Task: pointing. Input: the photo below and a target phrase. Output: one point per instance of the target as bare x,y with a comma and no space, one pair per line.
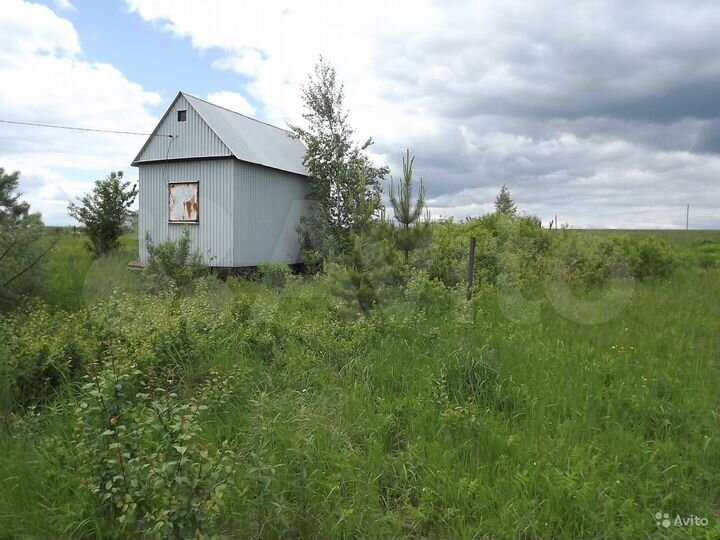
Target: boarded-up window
183,203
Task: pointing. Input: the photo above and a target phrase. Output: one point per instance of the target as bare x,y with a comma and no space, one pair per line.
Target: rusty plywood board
183,202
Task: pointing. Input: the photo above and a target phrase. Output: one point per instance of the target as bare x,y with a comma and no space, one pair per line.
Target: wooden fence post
471,269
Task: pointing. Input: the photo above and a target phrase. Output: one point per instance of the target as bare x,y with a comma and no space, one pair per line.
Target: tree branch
12,245
37,260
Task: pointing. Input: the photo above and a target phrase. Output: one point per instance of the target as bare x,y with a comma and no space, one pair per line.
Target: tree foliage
368,263
103,212
21,241
408,211
335,164
504,203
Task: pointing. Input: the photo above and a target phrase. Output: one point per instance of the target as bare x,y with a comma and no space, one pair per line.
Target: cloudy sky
606,113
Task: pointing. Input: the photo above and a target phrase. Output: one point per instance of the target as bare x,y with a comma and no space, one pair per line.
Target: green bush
141,453
41,352
427,294
135,374
709,255
577,258
274,275
496,236
174,261
446,257
25,244
654,259
650,257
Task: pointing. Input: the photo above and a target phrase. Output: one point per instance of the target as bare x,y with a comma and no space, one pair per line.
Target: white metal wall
268,205
213,234
192,138
248,214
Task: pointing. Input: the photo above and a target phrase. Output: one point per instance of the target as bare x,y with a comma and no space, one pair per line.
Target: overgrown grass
440,419
72,278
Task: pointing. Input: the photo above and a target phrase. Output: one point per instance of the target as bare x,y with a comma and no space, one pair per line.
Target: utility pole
687,218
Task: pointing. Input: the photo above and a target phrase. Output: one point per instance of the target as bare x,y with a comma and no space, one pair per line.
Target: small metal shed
236,183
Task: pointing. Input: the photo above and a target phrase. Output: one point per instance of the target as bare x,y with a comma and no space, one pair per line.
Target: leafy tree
334,163
504,203
407,212
364,205
103,212
22,241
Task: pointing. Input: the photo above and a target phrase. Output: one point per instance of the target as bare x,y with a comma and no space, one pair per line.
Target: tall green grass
72,278
449,421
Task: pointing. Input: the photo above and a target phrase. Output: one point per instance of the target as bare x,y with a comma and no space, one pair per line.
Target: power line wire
34,124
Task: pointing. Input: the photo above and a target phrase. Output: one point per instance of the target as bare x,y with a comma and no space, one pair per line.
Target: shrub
41,351
141,454
274,275
585,260
425,293
447,257
241,308
174,261
709,255
654,259
650,257
443,259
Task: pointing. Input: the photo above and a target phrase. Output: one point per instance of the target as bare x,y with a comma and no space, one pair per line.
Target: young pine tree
504,203
408,211
363,271
370,262
23,242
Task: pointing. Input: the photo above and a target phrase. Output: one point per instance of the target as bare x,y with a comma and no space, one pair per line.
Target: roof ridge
235,112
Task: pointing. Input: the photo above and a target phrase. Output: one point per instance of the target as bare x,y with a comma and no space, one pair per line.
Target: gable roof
245,138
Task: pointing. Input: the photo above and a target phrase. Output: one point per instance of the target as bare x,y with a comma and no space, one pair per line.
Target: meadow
276,408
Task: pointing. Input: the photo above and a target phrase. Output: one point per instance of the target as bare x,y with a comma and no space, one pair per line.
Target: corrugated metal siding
213,235
268,206
251,140
193,138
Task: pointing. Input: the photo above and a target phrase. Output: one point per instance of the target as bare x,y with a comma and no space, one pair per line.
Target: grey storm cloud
708,139
578,106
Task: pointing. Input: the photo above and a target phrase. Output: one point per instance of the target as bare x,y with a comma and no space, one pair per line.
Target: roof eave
137,163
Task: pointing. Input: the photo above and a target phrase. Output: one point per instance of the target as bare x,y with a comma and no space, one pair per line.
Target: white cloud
233,101
27,28
64,5
587,110
246,62
46,80
278,43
